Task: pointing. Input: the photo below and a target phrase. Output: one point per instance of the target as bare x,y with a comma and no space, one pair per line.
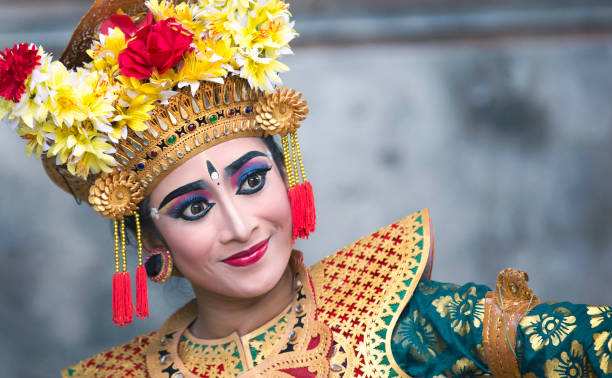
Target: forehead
195,168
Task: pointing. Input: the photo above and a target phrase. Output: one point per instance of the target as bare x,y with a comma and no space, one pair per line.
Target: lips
248,256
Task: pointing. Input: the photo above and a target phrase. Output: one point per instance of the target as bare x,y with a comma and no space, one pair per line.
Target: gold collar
293,341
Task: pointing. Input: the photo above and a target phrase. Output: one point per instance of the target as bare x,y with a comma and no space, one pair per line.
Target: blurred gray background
495,115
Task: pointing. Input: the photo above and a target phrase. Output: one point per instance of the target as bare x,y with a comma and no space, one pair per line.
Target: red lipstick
248,256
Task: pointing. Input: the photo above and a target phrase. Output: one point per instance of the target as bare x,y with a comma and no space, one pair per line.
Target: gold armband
504,308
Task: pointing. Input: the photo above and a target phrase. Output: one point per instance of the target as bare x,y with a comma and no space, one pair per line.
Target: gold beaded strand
138,237
296,147
296,179
116,246
123,245
288,164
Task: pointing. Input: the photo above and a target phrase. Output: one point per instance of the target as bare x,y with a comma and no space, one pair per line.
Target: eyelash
259,171
178,212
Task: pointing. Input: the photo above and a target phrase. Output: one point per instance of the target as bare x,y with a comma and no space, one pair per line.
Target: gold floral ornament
116,195
281,112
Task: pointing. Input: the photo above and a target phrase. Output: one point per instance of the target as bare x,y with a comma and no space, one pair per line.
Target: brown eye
253,181
195,209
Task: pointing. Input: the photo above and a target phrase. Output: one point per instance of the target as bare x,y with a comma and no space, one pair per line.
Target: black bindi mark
214,175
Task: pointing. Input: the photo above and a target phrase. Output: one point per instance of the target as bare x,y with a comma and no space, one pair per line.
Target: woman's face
226,219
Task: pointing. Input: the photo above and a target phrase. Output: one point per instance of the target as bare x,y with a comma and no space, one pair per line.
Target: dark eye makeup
190,206
252,180
192,201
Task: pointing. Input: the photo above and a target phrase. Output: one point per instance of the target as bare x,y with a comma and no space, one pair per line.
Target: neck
218,317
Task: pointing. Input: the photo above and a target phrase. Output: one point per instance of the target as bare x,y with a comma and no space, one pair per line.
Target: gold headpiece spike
194,104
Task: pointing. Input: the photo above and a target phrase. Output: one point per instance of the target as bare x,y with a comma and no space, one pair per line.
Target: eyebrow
238,163
196,185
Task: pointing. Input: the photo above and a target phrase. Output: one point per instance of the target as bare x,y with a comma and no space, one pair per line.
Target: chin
262,280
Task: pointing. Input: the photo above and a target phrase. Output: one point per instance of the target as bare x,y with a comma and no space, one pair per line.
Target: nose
236,225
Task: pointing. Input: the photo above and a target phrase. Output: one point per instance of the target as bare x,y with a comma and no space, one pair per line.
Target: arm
450,330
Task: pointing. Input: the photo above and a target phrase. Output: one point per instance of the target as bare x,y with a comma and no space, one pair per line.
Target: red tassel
122,299
128,305
117,293
301,198
142,302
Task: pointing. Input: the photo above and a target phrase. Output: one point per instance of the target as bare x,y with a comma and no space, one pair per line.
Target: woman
203,187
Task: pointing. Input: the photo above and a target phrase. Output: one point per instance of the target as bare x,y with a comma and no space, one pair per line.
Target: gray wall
497,124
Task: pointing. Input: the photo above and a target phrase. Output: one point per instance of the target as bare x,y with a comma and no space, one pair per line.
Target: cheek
186,242
275,202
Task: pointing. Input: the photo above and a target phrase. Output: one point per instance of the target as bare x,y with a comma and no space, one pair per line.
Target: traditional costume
141,89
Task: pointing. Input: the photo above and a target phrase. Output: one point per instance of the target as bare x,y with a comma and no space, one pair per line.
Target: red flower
156,46
125,24
16,65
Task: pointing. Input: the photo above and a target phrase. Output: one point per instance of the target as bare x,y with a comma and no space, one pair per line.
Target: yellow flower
134,115
140,87
82,150
161,9
240,7
37,137
276,34
209,65
464,311
216,49
218,19
548,329
261,73
266,25
98,98
574,364
93,155
603,349
66,105
599,314
105,52
29,111
186,14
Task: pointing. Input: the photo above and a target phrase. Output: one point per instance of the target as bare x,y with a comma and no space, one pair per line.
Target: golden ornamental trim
281,112
116,195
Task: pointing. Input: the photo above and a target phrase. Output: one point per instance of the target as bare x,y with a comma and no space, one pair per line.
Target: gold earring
159,265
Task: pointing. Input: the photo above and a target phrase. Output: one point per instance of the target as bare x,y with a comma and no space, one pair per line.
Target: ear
152,240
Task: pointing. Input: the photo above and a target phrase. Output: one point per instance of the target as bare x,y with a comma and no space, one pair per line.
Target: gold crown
184,127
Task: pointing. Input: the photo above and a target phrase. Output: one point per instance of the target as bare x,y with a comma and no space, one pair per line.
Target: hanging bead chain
123,245
116,246
296,146
288,163
296,178
138,237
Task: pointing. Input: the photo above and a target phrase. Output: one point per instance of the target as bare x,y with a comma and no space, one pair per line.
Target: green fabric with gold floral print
439,334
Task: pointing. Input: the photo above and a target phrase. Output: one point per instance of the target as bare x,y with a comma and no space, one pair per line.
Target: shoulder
125,360
382,268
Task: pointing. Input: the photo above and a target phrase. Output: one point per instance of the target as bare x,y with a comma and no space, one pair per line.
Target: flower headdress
143,86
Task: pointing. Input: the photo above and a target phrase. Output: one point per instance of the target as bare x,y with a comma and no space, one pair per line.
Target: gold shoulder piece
123,360
504,308
362,289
